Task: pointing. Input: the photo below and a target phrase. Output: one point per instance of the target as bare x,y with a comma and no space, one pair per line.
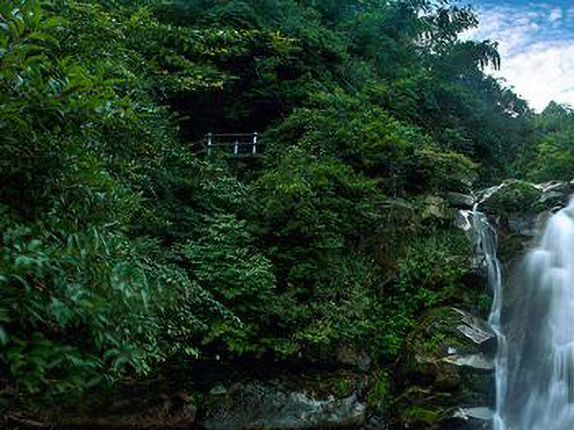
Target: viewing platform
235,145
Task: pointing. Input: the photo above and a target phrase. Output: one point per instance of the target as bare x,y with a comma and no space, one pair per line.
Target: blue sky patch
537,46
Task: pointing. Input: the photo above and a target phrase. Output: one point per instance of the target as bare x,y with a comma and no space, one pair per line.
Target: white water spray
487,243
536,385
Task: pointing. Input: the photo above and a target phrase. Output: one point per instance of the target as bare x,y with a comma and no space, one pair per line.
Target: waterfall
535,328
486,242
539,325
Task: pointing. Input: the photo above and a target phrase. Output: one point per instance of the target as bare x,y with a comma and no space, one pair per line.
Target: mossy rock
431,388
437,332
423,408
511,246
517,196
524,197
269,405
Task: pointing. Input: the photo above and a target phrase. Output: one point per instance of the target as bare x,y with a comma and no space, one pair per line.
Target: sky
536,43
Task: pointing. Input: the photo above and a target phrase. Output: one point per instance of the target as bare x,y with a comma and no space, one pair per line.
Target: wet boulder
449,366
268,405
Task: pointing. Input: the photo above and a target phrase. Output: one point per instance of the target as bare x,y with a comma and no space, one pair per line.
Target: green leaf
3,336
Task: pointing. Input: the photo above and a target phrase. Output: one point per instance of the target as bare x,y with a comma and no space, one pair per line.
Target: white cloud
542,73
556,15
537,53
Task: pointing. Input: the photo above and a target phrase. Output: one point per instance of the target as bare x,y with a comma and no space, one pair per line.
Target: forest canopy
123,247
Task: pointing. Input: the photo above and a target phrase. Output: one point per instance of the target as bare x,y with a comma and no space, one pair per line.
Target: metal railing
233,144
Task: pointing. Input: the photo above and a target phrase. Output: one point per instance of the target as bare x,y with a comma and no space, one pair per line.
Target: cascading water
537,391
535,356
486,242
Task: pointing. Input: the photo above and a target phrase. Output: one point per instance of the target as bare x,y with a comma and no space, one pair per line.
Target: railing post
209,143
254,150
236,150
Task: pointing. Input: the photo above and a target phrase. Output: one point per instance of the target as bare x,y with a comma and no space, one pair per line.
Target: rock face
475,328
448,371
460,201
477,361
256,405
521,206
351,357
452,370
518,210
475,418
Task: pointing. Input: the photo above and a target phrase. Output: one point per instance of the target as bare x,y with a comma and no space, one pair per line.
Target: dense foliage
549,155
124,247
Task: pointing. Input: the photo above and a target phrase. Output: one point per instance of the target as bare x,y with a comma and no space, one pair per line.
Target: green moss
436,332
477,388
516,196
378,396
430,389
484,301
343,384
423,408
511,245
420,413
